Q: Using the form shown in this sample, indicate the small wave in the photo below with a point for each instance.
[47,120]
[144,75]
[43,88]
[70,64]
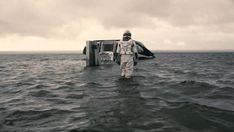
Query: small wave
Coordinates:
[75,96]
[69,83]
[63,87]
[2,67]
[23,66]
[106,95]
[86,130]
[19,84]
[222,93]
[231,75]
[132,82]
[151,125]
[229,63]
[227,90]
[226,82]
[138,69]
[139,77]
[190,87]
[58,101]
[194,74]
[42,93]
[22,117]
[92,84]
[44,59]
[38,86]
[199,117]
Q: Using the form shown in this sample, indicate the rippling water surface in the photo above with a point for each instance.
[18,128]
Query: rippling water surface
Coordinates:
[176,92]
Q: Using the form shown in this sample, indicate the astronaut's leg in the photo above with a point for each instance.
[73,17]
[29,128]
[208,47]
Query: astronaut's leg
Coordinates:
[123,69]
[123,65]
[129,67]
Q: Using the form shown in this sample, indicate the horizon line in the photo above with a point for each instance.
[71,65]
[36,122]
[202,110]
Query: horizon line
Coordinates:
[80,51]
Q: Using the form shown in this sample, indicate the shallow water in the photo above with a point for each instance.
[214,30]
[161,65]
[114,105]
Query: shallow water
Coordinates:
[176,92]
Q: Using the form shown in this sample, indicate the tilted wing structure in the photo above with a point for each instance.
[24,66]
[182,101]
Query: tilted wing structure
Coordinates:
[143,51]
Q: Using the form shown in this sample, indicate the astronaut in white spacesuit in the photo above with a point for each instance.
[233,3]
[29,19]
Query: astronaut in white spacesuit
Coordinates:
[128,54]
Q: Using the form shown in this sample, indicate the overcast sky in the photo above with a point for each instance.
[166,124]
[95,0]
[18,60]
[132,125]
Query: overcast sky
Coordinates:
[160,24]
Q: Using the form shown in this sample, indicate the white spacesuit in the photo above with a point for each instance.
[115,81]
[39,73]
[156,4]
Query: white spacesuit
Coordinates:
[128,52]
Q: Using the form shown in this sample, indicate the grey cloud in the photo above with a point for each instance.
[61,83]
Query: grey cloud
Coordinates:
[41,18]
[186,13]
[26,18]
[111,14]
[136,13]
[207,12]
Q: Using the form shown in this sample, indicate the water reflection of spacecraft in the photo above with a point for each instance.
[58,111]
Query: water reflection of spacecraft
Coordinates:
[100,52]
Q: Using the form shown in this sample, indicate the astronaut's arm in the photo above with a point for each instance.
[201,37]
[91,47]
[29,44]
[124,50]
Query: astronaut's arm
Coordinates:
[135,50]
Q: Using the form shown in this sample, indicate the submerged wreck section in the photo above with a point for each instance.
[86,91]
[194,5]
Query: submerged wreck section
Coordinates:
[100,52]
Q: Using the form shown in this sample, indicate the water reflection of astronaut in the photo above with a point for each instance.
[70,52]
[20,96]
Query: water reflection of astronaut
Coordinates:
[128,52]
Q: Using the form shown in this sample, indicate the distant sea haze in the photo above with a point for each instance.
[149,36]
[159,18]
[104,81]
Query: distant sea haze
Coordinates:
[80,51]
[175,92]
[42,52]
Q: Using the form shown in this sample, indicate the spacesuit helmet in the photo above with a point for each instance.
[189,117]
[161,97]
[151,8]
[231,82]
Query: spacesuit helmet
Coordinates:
[127,33]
